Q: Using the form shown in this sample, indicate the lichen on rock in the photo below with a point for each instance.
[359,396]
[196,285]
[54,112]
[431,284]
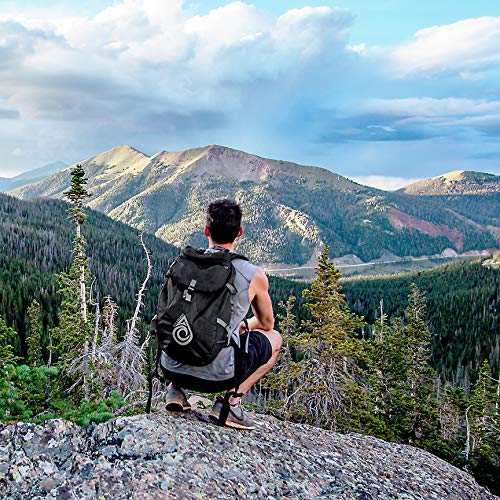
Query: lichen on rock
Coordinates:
[186,456]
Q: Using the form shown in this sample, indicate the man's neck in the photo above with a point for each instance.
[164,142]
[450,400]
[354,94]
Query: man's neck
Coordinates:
[229,246]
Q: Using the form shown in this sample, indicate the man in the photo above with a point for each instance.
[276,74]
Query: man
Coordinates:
[235,363]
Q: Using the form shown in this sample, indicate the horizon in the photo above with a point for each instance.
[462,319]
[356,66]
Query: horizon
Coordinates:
[379,182]
[382,94]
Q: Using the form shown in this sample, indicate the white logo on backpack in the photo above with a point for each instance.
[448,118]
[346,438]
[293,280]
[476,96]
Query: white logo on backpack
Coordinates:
[182,332]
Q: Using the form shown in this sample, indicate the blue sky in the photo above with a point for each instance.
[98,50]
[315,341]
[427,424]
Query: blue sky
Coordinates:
[383,92]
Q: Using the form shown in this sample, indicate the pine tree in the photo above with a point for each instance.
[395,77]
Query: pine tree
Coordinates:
[484,417]
[73,334]
[34,334]
[77,195]
[322,386]
[7,336]
[420,375]
[401,378]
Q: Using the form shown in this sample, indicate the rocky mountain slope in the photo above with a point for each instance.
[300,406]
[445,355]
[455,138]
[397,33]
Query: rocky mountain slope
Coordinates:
[7,184]
[291,210]
[453,183]
[183,457]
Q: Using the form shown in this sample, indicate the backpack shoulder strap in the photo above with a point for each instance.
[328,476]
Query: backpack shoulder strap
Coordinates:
[235,256]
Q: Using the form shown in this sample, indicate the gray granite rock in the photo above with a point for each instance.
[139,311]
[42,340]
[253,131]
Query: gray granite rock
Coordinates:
[165,456]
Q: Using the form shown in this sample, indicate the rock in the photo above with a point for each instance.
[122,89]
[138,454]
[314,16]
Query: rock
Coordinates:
[186,456]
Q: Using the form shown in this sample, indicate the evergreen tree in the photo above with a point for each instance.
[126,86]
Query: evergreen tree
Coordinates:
[34,334]
[401,378]
[483,433]
[76,196]
[322,386]
[420,375]
[7,336]
[73,334]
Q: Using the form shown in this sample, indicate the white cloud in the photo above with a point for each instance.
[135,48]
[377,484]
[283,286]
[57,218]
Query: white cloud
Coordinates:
[429,107]
[467,47]
[358,48]
[387,183]
[157,56]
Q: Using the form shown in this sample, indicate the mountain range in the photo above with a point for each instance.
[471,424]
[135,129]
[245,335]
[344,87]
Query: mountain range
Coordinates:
[290,210]
[35,175]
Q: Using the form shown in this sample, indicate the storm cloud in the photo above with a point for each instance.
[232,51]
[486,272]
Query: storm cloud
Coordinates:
[160,75]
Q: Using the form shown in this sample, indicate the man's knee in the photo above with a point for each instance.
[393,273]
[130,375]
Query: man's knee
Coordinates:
[275,339]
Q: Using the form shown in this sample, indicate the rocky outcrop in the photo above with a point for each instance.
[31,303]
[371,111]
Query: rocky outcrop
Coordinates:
[186,456]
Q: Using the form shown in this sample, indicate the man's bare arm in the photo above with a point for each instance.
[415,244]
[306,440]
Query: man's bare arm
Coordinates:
[262,307]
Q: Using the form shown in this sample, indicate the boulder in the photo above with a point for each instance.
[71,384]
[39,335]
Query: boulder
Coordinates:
[186,456]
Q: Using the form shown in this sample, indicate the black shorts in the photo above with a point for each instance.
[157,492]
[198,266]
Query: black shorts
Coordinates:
[259,353]
[246,363]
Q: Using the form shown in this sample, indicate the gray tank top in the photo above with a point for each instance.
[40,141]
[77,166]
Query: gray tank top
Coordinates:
[222,367]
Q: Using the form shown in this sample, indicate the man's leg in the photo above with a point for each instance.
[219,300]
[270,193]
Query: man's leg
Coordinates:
[177,399]
[276,340]
[264,347]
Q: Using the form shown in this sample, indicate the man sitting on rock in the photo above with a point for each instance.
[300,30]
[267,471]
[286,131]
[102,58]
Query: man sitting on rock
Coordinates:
[254,345]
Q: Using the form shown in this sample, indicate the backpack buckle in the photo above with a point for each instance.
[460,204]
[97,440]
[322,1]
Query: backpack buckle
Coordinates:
[187,295]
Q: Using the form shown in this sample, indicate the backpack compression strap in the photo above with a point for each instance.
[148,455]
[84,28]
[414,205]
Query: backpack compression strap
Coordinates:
[226,406]
[154,372]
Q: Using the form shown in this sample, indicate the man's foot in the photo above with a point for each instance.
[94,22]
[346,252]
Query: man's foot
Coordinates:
[236,418]
[177,399]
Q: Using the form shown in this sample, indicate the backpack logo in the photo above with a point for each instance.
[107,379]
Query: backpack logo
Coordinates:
[182,333]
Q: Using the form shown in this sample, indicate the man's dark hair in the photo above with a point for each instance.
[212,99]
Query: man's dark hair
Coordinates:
[223,220]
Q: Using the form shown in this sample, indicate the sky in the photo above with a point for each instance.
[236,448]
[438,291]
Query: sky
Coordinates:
[383,92]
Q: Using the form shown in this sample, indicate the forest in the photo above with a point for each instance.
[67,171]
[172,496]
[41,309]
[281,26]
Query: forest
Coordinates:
[75,347]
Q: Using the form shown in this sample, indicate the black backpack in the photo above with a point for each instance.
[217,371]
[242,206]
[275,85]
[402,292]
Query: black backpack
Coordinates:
[195,306]
[193,314]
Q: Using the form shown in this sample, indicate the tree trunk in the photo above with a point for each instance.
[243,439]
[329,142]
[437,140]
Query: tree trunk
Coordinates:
[82,276]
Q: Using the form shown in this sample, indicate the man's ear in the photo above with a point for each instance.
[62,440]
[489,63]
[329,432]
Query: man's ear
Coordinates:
[207,232]
[240,232]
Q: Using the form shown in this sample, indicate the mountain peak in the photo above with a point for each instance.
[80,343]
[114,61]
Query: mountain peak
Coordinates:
[118,161]
[455,182]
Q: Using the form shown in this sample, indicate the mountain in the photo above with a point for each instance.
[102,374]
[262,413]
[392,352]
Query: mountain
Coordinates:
[290,210]
[7,184]
[475,196]
[162,455]
[459,182]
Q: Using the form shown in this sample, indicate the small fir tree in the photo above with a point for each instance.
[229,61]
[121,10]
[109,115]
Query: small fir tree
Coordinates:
[7,337]
[322,386]
[34,334]
[73,334]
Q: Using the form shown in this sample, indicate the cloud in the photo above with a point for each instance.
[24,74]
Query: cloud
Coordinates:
[387,183]
[9,114]
[157,57]
[413,119]
[428,107]
[157,74]
[485,155]
[468,47]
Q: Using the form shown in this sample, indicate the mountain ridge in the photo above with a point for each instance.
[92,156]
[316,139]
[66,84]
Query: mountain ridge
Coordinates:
[31,176]
[455,182]
[291,210]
